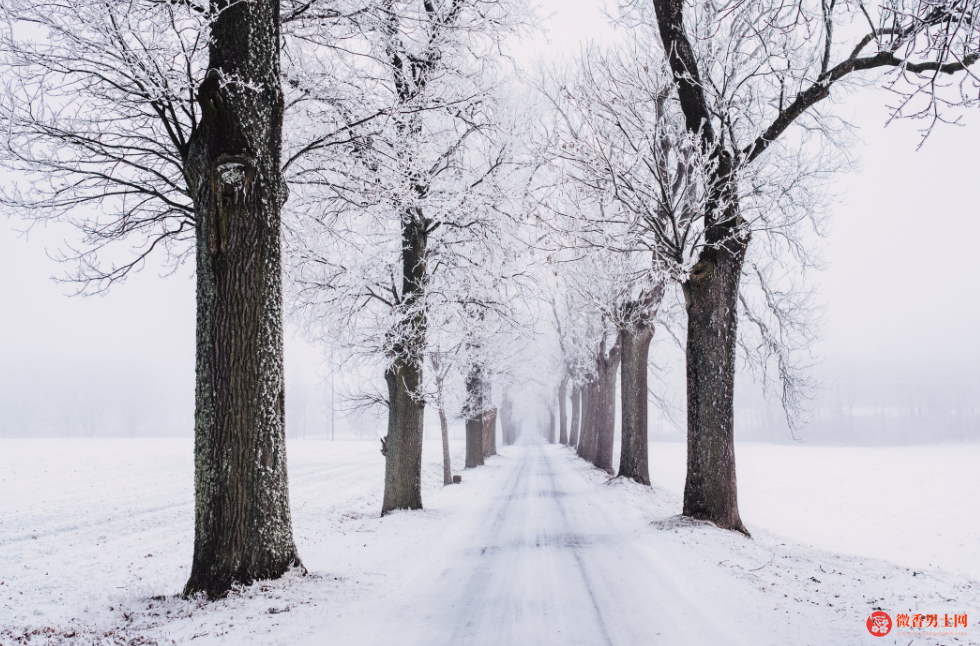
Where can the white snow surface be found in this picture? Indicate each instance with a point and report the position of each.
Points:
(535, 548)
(913, 505)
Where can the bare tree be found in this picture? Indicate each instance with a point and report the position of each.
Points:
(243, 529)
(160, 124)
(742, 76)
(392, 255)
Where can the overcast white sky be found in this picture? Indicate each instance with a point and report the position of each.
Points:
(900, 290)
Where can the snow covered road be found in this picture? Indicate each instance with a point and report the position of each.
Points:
(535, 548)
(542, 560)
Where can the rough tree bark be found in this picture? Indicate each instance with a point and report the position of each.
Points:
(403, 454)
(406, 408)
(633, 459)
(562, 413)
(711, 295)
(242, 524)
(576, 415)
(403, 465)
(605, 425)
(710, 491)
(474, 420)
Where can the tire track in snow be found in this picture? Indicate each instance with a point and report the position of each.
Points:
(541, 556)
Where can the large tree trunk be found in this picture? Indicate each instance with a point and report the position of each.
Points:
(474, 420)
(606, 409)
(489, 433)
(711, 295)
(406, 407)
(712, 302)
(576, 415)
(403, 448)
(633, 459)
(242, 526)
(562, 413)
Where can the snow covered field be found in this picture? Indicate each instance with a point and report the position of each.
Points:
(535, 548)
(912, 505)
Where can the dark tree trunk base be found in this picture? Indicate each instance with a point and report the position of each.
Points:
(633, 458)
(605, 421)
(474, 421)
(403, 449)
(489, 433)
(242, 523)
(710, 492)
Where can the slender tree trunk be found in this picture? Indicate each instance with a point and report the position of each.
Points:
(242, 525)
(595, 405)
(507, 420)
(447, 467)
(489, 433)
(592, 405)
(576, 415)
(597, 401)
(562, 413)
(710, 492)
(606, 413)
(633, 459)
(583, 438)
(551, 425)
(474, 420)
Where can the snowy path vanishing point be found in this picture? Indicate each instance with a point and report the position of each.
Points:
(543, 560)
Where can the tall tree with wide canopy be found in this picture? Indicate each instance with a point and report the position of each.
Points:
(388, 261)
(743, 75)
(243, 529)
(162, 124)
(634, 182)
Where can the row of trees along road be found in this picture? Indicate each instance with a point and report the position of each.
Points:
(385, 159)
(706, 129)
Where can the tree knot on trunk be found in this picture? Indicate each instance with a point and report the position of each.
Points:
(232, 177)
(209, 94)
(702, 270)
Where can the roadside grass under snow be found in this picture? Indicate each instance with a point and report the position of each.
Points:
(96, 538)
